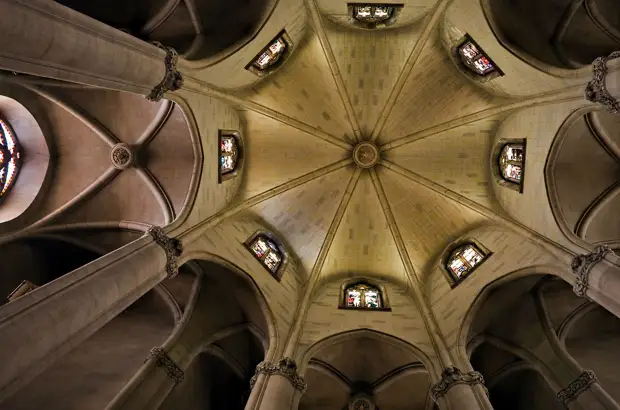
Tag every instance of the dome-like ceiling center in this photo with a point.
(366, 154)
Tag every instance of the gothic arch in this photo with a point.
(465, 326)
(28, 123)
(589, 219)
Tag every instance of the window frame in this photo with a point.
(231, 174)
(344, 287)
(497, 171)
(373, 25)
(18, 156)
(279, 62)
(278, 273)
(451, 276)
(468, 70)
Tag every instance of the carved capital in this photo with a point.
(286, 368)
(173, 248)
(596, 91)
(450, 377)
(582, 265)
(165, 362)
(583, 383)
(173, 79)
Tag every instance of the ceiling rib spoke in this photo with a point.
(565, 95)
(291, 344)
(411, 60)
(333, 66)
(474, 206)
(199, 229)
(202, 88)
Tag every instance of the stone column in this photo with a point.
(597, 277)
(42, 326)
(457, 390)
(46, 39)
(283, 386)
(605, 86)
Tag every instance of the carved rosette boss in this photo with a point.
(173, 79)
(583, 383)
(450, 377)
(122, 156)
(582, 265)
(167, 364)
(596, 91)
(172, 246)
(286, 368)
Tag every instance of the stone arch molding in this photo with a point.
(429, 364)
(601, 203)
(34, 173)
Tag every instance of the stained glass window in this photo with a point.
(362, 295)
(267, 252)
(463, 259)
(271, 54)
(511, 162)
(474, 58)
(229, 154)
(9, 158)
(372, 13)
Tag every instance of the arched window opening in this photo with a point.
(363, 295)
(272, 56)
(476, 60)
(10, 157)
(267, 252)
(511, 163)
(372, 16)
(463, 260)
(229, 154)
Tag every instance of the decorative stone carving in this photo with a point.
(596, 91)
(450, 377)
(173, 248)
(122, 156)
(366, 154)
(582, 265)
(583, 383)
(165, 362)
(286, 368)
(173, 79)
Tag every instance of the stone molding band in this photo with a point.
(172, 246)
(596, 91)
(286, 368)
(582, 265)
(450, 377)
(581, 384)
(173, 79)
(167, 364)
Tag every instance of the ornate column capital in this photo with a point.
(172, 246)
(581, 384)
(450, 377)
(582, 264)
(173, 79)
(165, 362)
(285, 367)
(596, 91)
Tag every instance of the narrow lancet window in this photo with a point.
(463, 260)
(475, 59)
(267, 252)
(10, 158)
(362, 295)
(511, 163)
